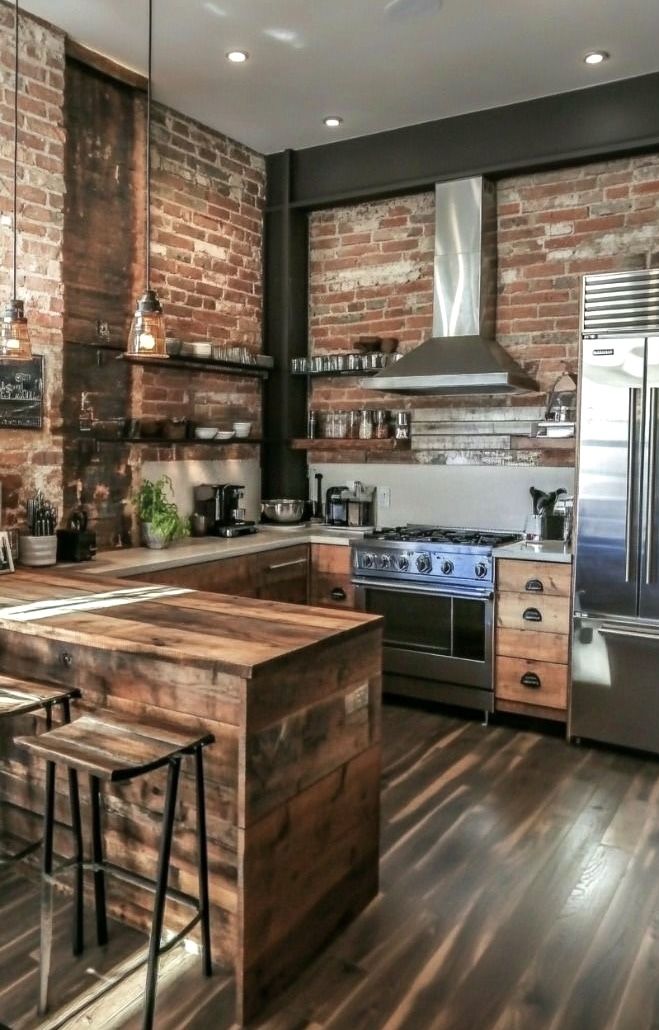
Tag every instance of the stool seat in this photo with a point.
(111, 748)
(19, 696)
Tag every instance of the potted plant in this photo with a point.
(158, 514)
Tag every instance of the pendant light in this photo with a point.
(14, 335)
(147, 331)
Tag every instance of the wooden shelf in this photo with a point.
(200, 365)
(551, 443)
(160, 441)
(343, 373)
(342, 444)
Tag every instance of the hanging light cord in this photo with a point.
(148, 155)
(15, 141)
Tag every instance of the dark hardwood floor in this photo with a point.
(519, 891)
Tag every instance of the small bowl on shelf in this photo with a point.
(242, 430)
(225, 434)
(205, 432)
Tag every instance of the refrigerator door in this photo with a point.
(615, 687)
(610, 465)
(649, 565)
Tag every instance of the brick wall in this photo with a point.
(207, 196)
(371, 273)
(33, 459)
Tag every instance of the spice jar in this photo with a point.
(381, 424)
(366, 425)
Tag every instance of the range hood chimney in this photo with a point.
(462, 355)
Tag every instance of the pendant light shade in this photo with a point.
(147, 332)
(14, 334)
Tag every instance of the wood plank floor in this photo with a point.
(519, 891)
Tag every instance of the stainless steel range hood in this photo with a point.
(462, 355)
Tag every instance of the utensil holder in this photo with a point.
(37, 550)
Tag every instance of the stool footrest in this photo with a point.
(29, 849)
(136, 880)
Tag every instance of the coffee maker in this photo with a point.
(218, 512)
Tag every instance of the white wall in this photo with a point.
(187, 474)
(478, 496)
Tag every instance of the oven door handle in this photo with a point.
(478, 594)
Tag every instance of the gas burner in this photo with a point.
(444, 536)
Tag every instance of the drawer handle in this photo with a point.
(66, 659)
(535, 586)
(286, 564)
(532, 615)
(531, 680)
(338, 594)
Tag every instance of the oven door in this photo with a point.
(429, 635)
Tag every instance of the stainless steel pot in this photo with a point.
(283, 509)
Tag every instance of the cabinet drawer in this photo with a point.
(334, 558)
(332, 589)
(526, 643)
(534, 577)
(539, 613)
(531, 682)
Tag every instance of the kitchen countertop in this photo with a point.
(547, 550)
(194, 550)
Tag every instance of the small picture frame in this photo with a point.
(6, 559)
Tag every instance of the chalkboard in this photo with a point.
(21, 393)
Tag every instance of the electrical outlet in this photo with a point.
(5, 219)
(384, 497)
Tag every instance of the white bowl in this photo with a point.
(225, 434)
(205, 432)
(242, 429)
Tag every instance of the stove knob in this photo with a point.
(384, 561)
(423, 563)
(447, 567)
(481, 569)
(403, 563)
(368, 561)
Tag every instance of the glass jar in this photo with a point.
(341, 424)
(366, 425)
(381, 424)
(354, 417)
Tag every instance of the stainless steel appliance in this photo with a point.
(219, 505)
(336, 506)
(615, 652)
(435, 589)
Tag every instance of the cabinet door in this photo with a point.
(284, 575)
(330, 579)
(222, 576)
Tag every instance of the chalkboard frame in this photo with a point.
(20, 412)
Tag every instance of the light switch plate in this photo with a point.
(384, 497)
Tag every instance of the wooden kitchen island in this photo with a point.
(292, 696)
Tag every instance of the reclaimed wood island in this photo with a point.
(292, 697)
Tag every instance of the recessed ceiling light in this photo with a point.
(332, 121)
(596, 57)
(237, 56)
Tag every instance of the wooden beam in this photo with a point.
(105, 65)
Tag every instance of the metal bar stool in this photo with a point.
(20, 697)
(114, 750)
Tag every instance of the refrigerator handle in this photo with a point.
(631, 444)
(652, 467)
(622, 631)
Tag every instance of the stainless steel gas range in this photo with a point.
(435, 589)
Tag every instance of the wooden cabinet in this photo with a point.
(330, 580)
(283, 574)
(278, 575)
(532, 637)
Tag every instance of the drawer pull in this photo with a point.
(66, 659)
(286, 564)
(532, 615)
(534, 586)
(338, 594)
(531, 680)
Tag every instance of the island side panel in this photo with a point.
(183, 695)
(309, 820)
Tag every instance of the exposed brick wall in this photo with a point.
(371, 273)
(33, 459)
(207, 198)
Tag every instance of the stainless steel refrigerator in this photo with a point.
(615, 643)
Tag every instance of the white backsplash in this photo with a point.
(482, 497)
(187, 474)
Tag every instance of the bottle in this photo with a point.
(312, 425)
(366, 425)
(381, 424)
